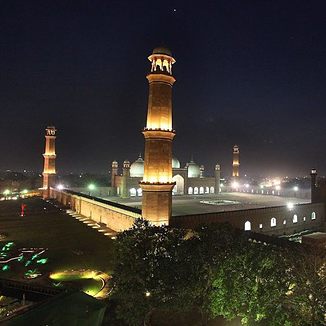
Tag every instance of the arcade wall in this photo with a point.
(271, 220)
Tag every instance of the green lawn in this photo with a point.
(71, 244)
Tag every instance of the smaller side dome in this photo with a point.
(175, 163)
(137, 168)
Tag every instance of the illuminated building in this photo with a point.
(190, 179)
(49, 161)
(236, 162)
(155, 177)
(157, 183)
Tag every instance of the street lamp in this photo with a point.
(290, 206)
(235, 185)
(295, 189)
(6, 193)
(90, 188)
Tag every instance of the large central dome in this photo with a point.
(193, 170)
(137, 168)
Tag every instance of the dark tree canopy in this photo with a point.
(220, 271)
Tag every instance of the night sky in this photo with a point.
(251, 73)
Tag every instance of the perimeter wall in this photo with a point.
(116, 216)
(278, 220)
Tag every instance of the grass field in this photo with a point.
(70, 243)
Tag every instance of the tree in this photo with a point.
(156, 268)
(251, 283)
(308, 291)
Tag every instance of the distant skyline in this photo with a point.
(251, 74)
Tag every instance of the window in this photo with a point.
(139, 192)
(207, 190)
(196, 190)
(313, 215)
(201, 190)
(132, 192)
(260, 226)
(190, 191)
(304, 219)
(284, 221)
(273, 221)
(247, 226)
(212, 190)
(295, 218)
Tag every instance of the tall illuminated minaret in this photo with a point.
(236, 162)
(49, 161)
(157, 181)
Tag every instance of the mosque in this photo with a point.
(190, 180)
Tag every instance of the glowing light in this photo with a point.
(91, 186)
(247, 185)
(163, 179)
(60, 187)
(25, 191)
(221, 185)
(295, 188)
(147, 294)
(71, 275)
(6, 192)
(276, 181)
(290, 206)
(235, 185)
(278, 187)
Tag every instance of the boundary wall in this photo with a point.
(116, 216)
(278, 220)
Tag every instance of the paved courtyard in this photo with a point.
(183, 205)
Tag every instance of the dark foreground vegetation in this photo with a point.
(215, 271)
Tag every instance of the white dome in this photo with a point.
(175, 163)
(137, 168)
(193, 170)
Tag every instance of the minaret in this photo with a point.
(49, 161)
(157, 182)
(202, 170)
(313, 175)
(125, 177)
(236, 162)
(114, 173)
(217, 178)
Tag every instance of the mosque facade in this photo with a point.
(189, 180)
